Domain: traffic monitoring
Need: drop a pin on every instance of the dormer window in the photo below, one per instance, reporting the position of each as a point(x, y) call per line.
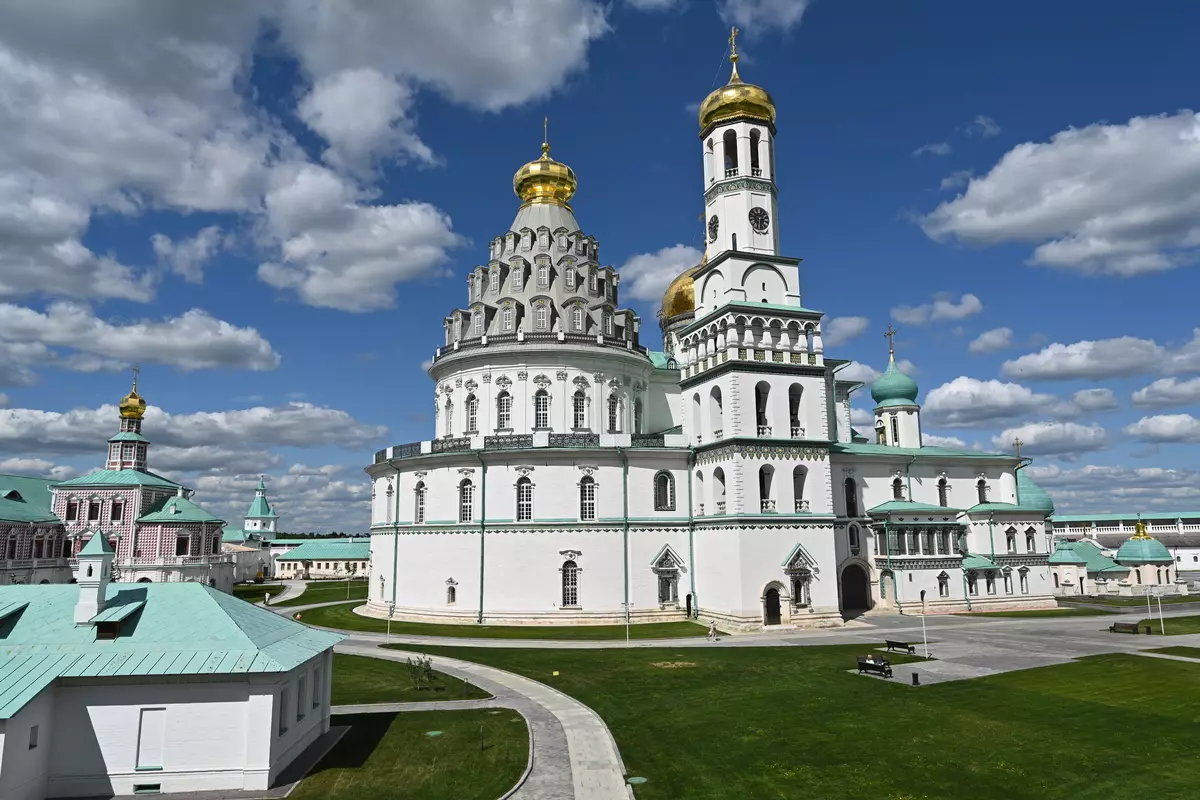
point(541, 317)
point(569, 277)
point(544, 239)
point(562, 242)
point(608, 323)
point(494, 280)
point(477, 323)
point(506, 318)
point(72, 510)
point(543, 276)
point(13, 494)
point(580, 247)
point(518, 275)
point(593, 281)
point(577, 319)
point(527, 240)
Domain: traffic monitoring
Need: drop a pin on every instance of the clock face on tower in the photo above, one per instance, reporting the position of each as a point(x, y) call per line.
point(759, 219)
point(713, 225)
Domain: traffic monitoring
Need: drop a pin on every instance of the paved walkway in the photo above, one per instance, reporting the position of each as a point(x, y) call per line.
point(290, 589)
point(574, 755)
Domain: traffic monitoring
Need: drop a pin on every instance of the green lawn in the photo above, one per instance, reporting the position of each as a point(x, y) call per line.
point(254, 591)
point(1190, 652)
point(389, 756)
point(327, 592)
point(791, 722)
point(1040, 612)
point(361, 679)
point(1130, 601)
point(343, 617)
point(1175, 626)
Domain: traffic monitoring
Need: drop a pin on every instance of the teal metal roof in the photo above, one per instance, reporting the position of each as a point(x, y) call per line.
point(1064, 554)
point(902, 506)
point(97, 545)
point(1145, 550)
point(1003, 508)
point(330, 550)
point(121, 477)
point(10, 608)
point(295, 542)
point(129, 436)
point(974, 561)
point(184, 628)
point(869, 449)
point(116, 613)
point(1031, 495)
point(178, 509)
point(1095, 560)
point(239, 535)
point(893, 387)
point(1131, 518)
point(662, 360)
point(26, 499)
point(260, 509)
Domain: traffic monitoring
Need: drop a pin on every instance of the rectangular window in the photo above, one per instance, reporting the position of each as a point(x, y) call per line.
point(543, 276)
point(569, 275)
point(927, 543)
point(466, 495)
point(94, 511)
point(914, 543)
point(943, 543)
point(895, 432)
point(991, 584)
point(316, 695)
point(301, 685)
point(542, 315)
point(152, 728)
point(283, 711)
point(117, 511)
point(587, 499)
point(72, 510)
point(33, 737)
point(182, 545)
point(895, 543)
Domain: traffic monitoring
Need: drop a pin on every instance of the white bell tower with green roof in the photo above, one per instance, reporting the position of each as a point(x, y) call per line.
point(897, 413)
point(261, 518)
point(127, 450)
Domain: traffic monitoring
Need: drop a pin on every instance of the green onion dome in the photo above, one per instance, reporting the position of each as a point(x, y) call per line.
point(1142, 548)
point(1030, 495)
point(894, 388)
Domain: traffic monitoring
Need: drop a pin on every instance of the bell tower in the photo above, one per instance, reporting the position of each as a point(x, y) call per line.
point(737, 135)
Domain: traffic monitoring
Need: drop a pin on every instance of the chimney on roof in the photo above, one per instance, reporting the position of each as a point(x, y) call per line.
point(92, 576)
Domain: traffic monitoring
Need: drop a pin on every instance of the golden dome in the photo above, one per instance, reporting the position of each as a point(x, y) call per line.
point(132, 405)
point(545, 181)
point(680, 297)
point(736, 98)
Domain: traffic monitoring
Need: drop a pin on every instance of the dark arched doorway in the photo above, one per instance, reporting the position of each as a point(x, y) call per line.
point(856, 595)
point(771, 607)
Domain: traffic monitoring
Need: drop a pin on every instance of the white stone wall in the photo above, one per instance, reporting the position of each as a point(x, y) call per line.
point(319, 569)
point(23, 770)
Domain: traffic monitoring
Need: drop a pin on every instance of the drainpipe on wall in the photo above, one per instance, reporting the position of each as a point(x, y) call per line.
point(625, 525)
point(395, 532)
point(908, 478)
point(482, 527)
point(991, 534)
point(966, 594)
point(691, 532)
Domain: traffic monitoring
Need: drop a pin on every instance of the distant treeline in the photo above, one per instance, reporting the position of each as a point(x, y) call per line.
point(314, 535)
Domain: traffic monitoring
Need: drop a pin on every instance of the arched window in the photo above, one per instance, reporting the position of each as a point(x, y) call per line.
point(503, 411)
point(729, 140)
point(880, 432)
point(543, 276)
point(524, 500)
point(664, 491)
point(472, 413)
point(716, 414)
point(593, 285)
point(1010, 539)
point(418, 502)
point(795, 393)
point(494, 280)
point(608, 323)
point(541, 409)
point(1030, 540)
point(762, 395)
point(518, 276)
point(577, 319)
point(719, 491)
point(449, 422)
point(851, 498)
point(799, 475)
point(695, 417)
point(579, 409)
point(810, 339)
point(587, 498)
point(755, 169)
point(466, 501)
point(943, 492)
point(477, 323)
point(895, 431)
point(542, 317)
point(981, 487)
point(637, 415)
point(391, 492)
point(766, 485)
point(451, 595)
point(506, 318)
point(614, 417)
point(897, 489)
point(570, 584)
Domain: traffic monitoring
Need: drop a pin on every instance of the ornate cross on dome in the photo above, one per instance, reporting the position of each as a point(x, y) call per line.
point(890, 335)
point(1017, 444)
point(733, 32)
point(136, 371)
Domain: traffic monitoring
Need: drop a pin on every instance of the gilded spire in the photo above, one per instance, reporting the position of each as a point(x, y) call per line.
point(1139, 530)
point(733, 55)
point(736, 99)
point(545, 180)
point(132, 405)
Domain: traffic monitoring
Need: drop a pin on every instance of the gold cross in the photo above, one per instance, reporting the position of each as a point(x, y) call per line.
point(1017, 444)
point(733, 32)
point(890, 335)
point(545, 130)
point(136, 371)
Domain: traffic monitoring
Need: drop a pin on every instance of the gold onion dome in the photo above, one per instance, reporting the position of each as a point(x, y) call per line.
point(680, 297)
point(736, 98)
point(545, 180)
point(132, 405)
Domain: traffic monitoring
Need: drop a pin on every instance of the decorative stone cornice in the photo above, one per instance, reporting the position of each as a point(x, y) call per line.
point(741, 184)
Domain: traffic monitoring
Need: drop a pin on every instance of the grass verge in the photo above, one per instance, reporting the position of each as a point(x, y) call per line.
point(362, 679)
point(1179, 650)
point(1129, 601)
point(253, 592)
point(326, 592)
point(343, 617)
point(389, 756)
point(1175, 626)
point(1040, 612)
point(790, 722)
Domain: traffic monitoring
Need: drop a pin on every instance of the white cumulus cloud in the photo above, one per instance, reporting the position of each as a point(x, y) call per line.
point(968, 401)
point(991, 341)
point(1105, 358)
point(188, 257)
point(932, 149)
point(1166, 392)
point(842, 329)
point(1065, 440)
point(983, 126)
point(1166, 428)
point(646, 276)
point(756, 15)
point(943, 307)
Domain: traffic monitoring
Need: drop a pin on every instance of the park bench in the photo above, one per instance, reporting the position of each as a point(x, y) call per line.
point(1125, 627)
point(882, 668)
point(902, 646)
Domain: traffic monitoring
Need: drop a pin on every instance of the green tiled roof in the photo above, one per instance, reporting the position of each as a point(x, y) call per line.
point(178, 509)
point(997, 508)
point(330, 550)
point(26, 499)
point(868, 449)
point(121, 477)
point(900, 506)
point(184, 628)
point(260, 508)
point(1130, 518)
point(97, 545)
point(1143, 551)
point(239, 535)
point(117, 613)
point(1032, 495)
point(662, 360)
point(129, 436)
point(1065, 554)
point(974, 561)
point(1096, 561)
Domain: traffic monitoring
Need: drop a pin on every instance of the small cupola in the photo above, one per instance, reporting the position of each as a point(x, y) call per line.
point(92, 575)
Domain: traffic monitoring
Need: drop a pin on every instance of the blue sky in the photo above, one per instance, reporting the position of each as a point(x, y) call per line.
point(271, 208)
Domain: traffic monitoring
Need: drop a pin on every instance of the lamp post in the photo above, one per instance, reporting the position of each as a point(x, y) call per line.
point(391, 610)
point(924, 637)
point(627, 606)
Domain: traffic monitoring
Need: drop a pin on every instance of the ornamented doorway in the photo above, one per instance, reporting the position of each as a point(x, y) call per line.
point(856, 594)
point(771, 614)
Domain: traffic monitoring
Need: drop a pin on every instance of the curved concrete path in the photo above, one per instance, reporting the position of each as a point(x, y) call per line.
point(573, 753)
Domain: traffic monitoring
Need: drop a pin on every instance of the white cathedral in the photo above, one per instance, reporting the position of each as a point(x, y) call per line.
point(577, 478)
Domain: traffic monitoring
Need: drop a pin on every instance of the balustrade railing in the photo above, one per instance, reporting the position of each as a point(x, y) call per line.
point(764, 430)
point(797, 432)
point(720, 506)
point(801, 506)
point(574, 440)
point(518, 441)
point(767, 506)
point(719, 433)
point(451, 445)
point(756, 172)
point(647, 440)
point(731, 173)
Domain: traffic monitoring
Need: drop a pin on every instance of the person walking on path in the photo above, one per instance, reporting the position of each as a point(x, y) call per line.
point(712, 630)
